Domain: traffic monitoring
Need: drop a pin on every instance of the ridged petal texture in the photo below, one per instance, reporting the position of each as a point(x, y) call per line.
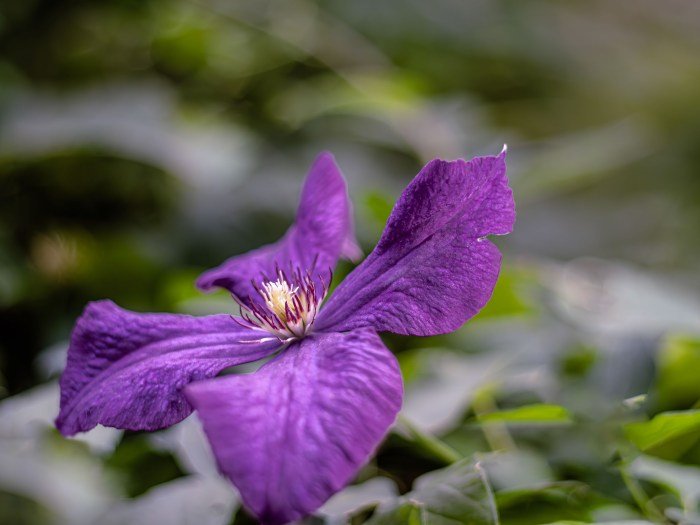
point(127, 370)
point(433, 268)
point(295, 432)
point(322, 232)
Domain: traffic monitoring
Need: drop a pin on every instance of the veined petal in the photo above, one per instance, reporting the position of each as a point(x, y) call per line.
point(127, 370)
point(297, 430)
point(432, 269)
point(323, 231)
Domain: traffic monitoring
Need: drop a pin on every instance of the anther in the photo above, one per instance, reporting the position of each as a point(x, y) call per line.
point(287, 306)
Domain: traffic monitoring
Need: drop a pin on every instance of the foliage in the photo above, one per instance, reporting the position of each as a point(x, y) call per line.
point(142, 142)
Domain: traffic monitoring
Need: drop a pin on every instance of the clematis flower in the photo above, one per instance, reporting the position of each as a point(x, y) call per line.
point(296, 431)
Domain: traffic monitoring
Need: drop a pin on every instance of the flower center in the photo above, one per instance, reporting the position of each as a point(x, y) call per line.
point(289, 304)
point(278, 295)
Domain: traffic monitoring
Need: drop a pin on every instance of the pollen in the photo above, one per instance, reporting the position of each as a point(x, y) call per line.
point(285, 307)
point(277, 295)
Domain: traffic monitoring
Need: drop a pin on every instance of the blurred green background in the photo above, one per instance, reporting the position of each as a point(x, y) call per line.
point(142, 142)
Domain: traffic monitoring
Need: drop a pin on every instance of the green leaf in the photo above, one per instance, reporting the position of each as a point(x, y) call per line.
point(517, 469)
point(378, 207)
point(668, 435)
point(678, 362)
point(530, 414)
point(510, 297)
point(626, 522)
point(682, 479)
point(545, 502)
point(409, 513)
point(459, 494)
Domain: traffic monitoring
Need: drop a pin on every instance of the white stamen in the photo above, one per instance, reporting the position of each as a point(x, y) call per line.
point(289, 305)
point(277, 295)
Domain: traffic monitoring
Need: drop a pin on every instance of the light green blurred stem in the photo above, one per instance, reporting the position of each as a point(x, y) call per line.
point(496, 433)
point(640, 497)
point(429, 443)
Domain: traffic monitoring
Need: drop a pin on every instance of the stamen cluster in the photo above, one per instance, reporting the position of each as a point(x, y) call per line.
point(289, 304)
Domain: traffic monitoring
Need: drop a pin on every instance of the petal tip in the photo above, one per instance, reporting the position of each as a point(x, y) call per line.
point(61, 426)
point(98, 305)
point(325, 156)
point(193, 391)
point(352, 251)
point(205, 282)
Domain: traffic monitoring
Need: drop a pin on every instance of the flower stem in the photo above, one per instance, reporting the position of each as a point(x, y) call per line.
point(648, 508)
point(429, 443)
point(496, 433)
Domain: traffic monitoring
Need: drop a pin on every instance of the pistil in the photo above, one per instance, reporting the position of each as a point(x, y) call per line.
point(289, 304)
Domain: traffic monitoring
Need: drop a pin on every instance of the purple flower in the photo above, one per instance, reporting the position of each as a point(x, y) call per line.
point(296, 431)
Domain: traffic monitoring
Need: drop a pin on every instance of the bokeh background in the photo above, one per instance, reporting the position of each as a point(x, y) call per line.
point(142, 142)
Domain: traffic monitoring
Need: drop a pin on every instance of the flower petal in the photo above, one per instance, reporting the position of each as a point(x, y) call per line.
point(296, 431)
point(127, 370)
point(432, 269)
point(323, 232)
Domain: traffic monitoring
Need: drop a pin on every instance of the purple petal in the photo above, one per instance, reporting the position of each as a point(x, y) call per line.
point(432, 269)
point(323, 232)
point(295, 432)
point(127, 370)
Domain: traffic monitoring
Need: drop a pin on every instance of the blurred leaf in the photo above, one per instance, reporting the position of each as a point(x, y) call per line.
point(189, 446)
point(13, 273)
point(635, 402)
point(579, 360)
point(29, 415)
point(372, 95)
point(546, 502)
point(126, 135)
point(426, 442)
point(20, 510)
point(615, 299)
point(517, 469)
point(139, 139)
point(628, 522)
point(457, 494)
point(530, 414)
point(677, 382)
point(118, 268)
point(354, 498)
point(59, 474)
point(508, 297)
point(411, 363)
point(443, 384)
point(85, 186)
point(684, 480)
point(409, 513)
point(187, 501)
point(584, 157)
point(181, 52)
point(667, 435)
point(378, 206)
point(179, 289)
point(141, 466)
